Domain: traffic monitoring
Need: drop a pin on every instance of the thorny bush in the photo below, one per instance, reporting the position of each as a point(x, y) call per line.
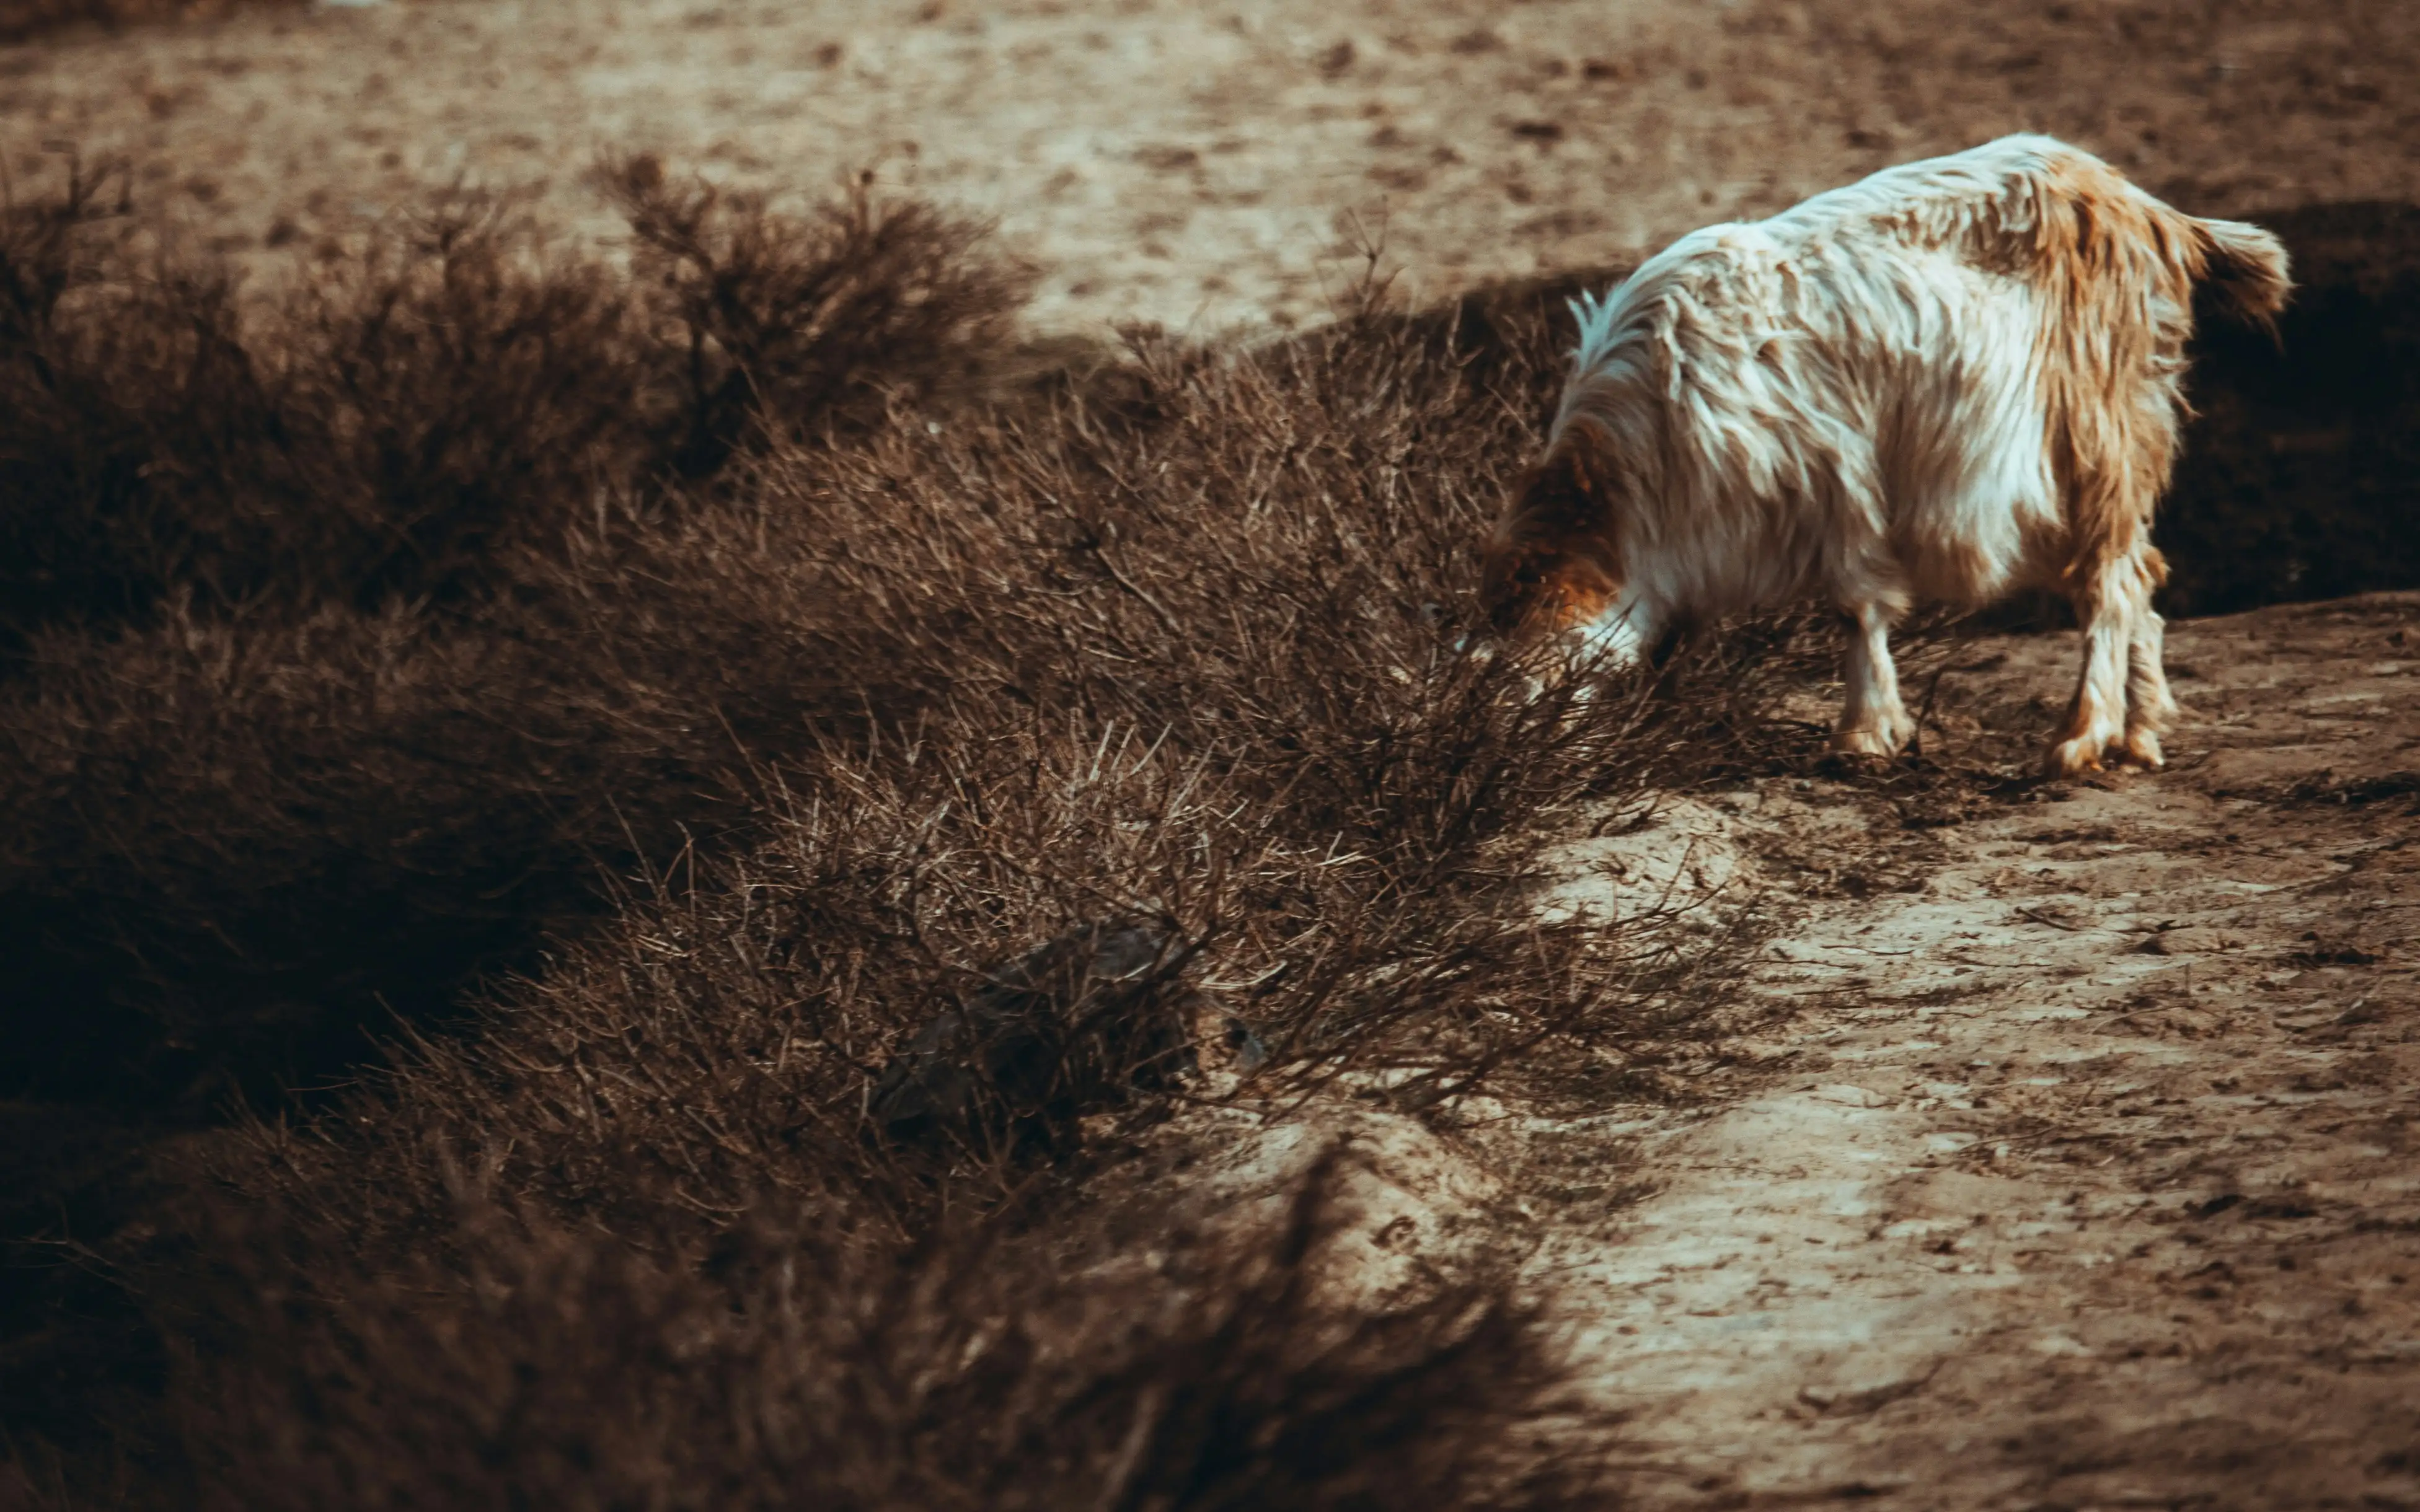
point(308, 712)
point(801, 1359)
point(407, 423)
point(886, 699)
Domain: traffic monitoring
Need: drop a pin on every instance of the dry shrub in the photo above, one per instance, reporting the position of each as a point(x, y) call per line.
point(794, 327)
point(884, 708)
point(377, 436)
point(1347, 843)
point(259, 830)
point(408, 424)
point(300, 726)
point(325, 691)
point(1336, 813)
point(723, 1041)
point(416, 1298)
point(802, 1359)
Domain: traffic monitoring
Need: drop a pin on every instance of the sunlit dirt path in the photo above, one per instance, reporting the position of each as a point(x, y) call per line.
point(2090, 1182)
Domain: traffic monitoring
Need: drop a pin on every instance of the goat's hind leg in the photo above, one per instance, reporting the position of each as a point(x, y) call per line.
point(1874, 721)
point(2114, 605)
point(2150, 708)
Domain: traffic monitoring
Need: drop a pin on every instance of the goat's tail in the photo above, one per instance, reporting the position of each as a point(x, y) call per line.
point(2246, 267)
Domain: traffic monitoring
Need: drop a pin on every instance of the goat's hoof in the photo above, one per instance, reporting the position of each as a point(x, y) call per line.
point(2142, 749)
point(2073, 758)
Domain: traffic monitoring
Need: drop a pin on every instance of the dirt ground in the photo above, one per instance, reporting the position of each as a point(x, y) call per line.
point(2082, 1173)
point(1209, 165)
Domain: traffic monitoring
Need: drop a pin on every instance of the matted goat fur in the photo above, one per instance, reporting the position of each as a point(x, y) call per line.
point(1955, 380)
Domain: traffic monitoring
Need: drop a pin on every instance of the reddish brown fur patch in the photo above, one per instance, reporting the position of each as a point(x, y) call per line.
point(1552, 562)
point(2119, 269)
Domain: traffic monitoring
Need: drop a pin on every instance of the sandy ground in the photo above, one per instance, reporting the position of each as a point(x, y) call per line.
point(1205, 166)
point(2084, 1175)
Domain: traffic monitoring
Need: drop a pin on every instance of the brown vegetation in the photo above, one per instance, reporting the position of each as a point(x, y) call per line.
point(388, 633)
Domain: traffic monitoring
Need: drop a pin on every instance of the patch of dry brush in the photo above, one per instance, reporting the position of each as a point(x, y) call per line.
point(324, 689)
point(359, 667)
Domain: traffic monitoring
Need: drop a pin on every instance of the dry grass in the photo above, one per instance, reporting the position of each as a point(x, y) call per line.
point(406, 424)
point(801, 1359)
point(874, 689)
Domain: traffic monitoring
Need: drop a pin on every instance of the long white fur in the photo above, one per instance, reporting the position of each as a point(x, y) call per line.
point(1847, 402)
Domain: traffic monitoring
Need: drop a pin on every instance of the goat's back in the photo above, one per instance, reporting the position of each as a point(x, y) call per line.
point(1945, 380)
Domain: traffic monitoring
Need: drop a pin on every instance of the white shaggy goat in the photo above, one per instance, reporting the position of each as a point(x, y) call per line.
point(1954, 379)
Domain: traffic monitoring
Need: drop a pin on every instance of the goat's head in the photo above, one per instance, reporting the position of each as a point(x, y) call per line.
point(1552, 567)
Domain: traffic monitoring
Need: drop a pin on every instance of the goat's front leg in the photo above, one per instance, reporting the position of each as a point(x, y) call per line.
point(1873, 722)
